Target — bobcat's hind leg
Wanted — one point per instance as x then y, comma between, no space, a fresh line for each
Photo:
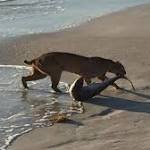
35,76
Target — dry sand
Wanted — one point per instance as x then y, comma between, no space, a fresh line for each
125,124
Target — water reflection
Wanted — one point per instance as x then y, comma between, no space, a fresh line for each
22,110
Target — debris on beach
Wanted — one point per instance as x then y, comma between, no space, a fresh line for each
59,117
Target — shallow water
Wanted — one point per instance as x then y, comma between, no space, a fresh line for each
23,110
19,17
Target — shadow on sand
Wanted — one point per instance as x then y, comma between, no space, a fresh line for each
136,93
122,103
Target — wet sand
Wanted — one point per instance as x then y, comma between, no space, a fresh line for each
118,120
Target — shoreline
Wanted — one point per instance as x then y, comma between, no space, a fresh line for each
74,32
74,27
122,36
74,19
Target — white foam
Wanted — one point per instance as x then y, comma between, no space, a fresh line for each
17,109
11,138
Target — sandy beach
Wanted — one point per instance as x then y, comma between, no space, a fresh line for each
118,120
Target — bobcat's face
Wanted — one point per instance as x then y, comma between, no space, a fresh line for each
118,69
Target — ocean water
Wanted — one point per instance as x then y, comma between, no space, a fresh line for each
19,17
23,110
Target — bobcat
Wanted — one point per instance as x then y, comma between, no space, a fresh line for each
54,63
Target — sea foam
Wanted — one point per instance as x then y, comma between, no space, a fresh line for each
23,110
